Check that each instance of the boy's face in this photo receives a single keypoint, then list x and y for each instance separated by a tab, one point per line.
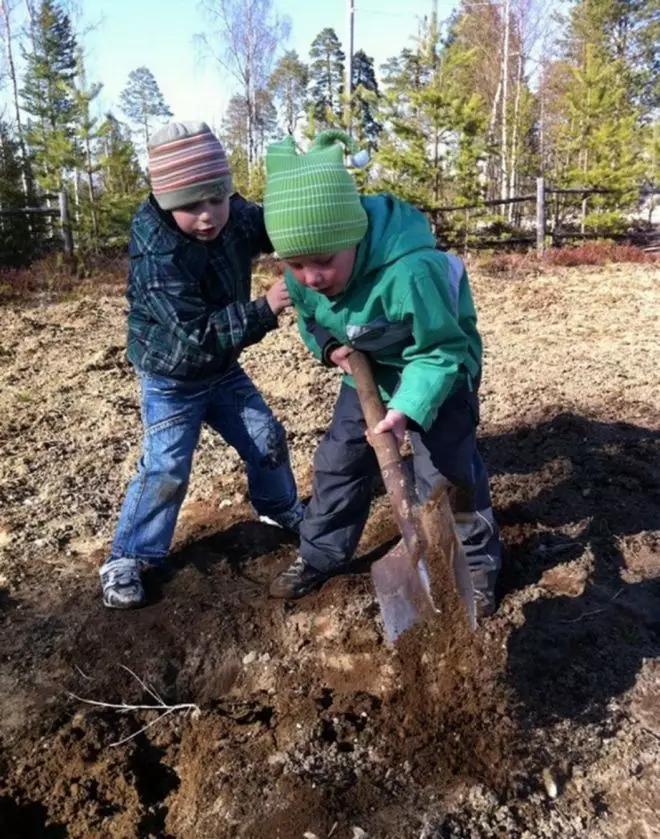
326	273
203	220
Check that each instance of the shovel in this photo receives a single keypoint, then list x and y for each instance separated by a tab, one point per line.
401	578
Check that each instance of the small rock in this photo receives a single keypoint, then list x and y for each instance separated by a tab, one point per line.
358	833
264	658
549	783
310	835
250	658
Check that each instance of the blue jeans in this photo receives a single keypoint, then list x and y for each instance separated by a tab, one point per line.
172	417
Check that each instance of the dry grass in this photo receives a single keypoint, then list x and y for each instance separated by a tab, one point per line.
599	252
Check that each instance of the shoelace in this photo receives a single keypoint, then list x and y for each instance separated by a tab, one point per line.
295	569
121	577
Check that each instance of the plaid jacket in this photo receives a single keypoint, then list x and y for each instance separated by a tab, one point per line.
190	310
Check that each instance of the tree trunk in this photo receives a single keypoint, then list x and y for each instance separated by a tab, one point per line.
92	195
25	168
514	134
505	90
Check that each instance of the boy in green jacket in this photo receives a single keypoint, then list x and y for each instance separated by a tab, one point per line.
367	271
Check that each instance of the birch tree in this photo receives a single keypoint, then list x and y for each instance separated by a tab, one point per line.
245	38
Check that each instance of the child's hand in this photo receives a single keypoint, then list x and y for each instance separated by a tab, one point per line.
339	356
395	422
278	297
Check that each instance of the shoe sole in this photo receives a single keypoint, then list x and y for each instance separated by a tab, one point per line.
123	606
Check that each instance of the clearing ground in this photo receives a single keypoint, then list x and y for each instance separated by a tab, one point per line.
545	724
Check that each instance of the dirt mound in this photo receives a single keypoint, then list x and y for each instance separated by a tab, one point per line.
300	719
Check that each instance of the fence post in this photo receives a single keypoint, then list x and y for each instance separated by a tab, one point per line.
540	216
65	228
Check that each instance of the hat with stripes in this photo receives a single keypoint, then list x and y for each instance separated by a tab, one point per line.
187	164
311	205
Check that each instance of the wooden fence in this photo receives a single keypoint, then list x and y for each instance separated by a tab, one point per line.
539	238
541	226
61	212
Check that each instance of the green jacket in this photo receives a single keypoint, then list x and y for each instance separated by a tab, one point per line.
408	305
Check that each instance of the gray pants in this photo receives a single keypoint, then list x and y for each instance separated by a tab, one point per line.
345	467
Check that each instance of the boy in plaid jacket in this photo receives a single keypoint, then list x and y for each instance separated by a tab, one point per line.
191	249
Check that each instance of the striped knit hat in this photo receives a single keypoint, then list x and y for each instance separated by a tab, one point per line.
311	203
187	163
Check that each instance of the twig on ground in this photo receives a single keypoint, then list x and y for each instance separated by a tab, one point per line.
124	707
650	731
594	611
82	673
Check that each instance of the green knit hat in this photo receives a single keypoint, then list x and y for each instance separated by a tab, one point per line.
311	203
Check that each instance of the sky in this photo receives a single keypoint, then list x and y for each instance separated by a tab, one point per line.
160	34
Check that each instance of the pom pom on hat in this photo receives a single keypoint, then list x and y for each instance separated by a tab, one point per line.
360	159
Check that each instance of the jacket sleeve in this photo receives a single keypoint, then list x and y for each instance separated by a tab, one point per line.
174	300
434	357
318	340
253	227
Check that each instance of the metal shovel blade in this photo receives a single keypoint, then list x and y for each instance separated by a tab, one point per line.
403	591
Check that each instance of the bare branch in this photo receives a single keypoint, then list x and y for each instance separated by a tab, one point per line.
124	707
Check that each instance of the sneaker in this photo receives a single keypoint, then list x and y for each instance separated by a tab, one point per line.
297	580
293	529
121	583
483	585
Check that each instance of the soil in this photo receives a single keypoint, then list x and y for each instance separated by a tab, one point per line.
300	720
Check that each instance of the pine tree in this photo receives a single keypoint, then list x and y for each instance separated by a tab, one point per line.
122	183
288	85
119	169
326	75
85	141
142	101
624	31
364	100
49	97
594	113
16	240
600	138
435	128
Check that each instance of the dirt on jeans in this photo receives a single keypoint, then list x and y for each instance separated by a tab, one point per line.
303	720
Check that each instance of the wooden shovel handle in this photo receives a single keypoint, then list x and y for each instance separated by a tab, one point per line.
396	480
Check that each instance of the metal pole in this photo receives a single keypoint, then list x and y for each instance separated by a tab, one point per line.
348	89
540	216
65	227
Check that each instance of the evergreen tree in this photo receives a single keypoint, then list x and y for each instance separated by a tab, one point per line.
434	139
17	241
122	183
599	138
364	100
48	95
624	31
326	75
119	169
288	85
85	141
142	101
595	111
